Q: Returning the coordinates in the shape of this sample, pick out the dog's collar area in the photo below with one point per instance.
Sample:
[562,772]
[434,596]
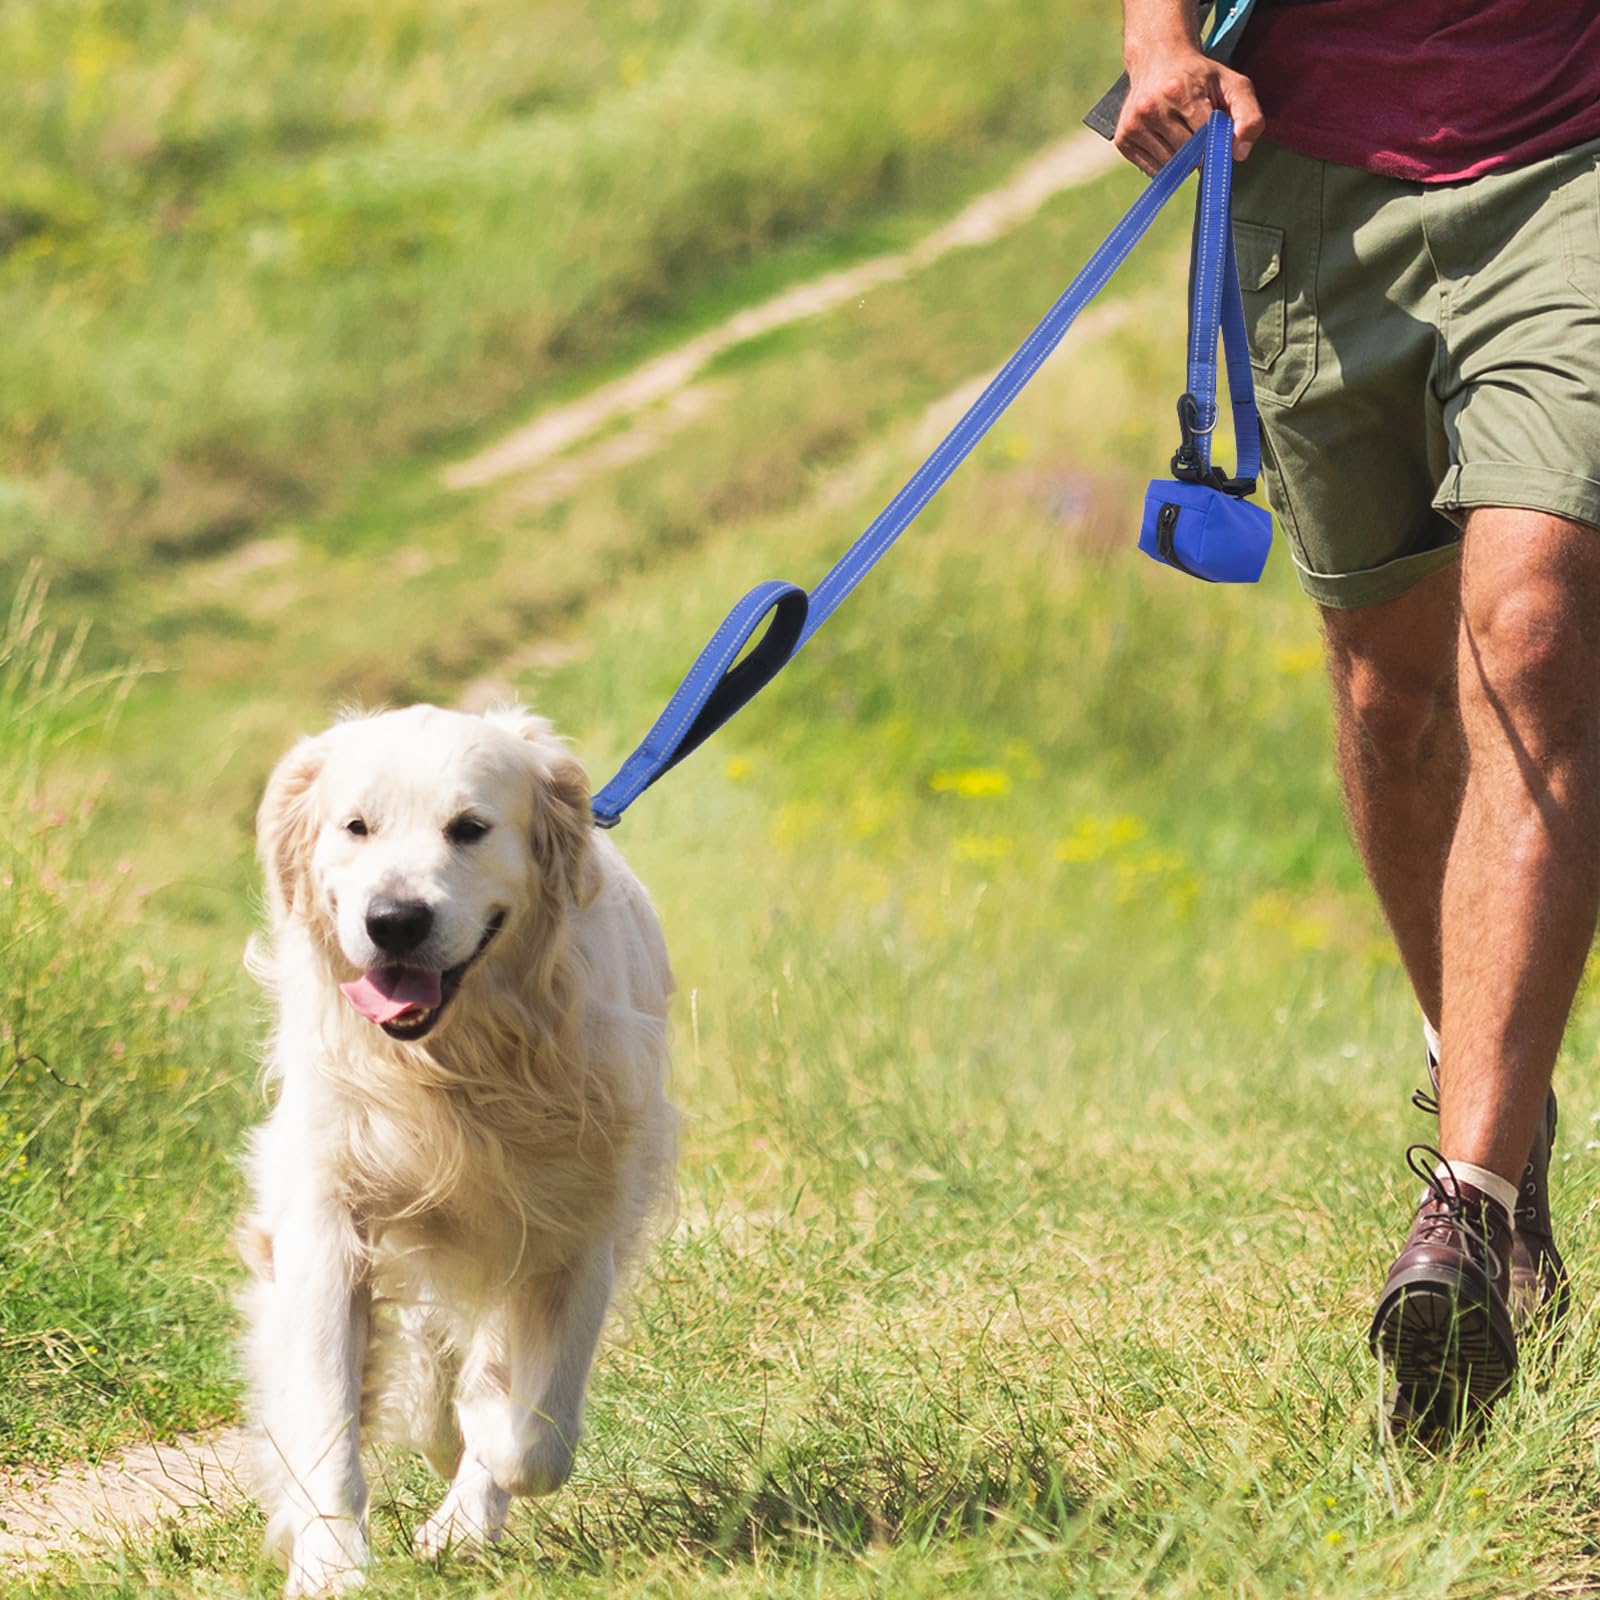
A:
[416,1025]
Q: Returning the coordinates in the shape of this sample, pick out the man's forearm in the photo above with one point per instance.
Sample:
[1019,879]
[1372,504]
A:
[1154,26]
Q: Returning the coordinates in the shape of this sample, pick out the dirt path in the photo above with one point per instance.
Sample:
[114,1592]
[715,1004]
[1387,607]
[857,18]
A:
[129,1494]
[1076,160]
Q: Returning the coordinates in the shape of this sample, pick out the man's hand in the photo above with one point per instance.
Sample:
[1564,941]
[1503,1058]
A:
[1172,90]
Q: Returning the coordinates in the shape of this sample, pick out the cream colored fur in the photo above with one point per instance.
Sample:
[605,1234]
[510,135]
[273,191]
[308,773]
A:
[437,1226]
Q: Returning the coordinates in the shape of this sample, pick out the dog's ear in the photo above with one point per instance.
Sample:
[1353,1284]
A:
[563,825]
[285,825]
[563,822]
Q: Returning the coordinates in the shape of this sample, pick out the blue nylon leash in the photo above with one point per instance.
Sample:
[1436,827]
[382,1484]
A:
[1218,302]
[720,682]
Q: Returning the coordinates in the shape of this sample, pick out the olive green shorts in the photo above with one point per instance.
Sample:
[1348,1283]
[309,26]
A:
[1419,350]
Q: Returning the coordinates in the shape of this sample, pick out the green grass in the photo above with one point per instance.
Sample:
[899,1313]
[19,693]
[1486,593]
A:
[1043,1072]
[245,251]
[119,1107]
[1042,1058]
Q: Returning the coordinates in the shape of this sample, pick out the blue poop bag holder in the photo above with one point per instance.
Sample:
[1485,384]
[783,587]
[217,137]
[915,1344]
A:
[1198,521]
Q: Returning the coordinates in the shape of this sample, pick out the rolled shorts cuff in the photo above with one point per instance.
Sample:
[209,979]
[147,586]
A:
[1349,591]
[1512,483]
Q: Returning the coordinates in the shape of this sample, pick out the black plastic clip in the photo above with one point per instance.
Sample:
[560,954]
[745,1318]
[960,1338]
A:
[1187,462]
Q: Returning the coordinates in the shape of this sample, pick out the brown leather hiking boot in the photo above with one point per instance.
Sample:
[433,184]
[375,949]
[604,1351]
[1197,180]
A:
[1539,1284]
[1443,1324]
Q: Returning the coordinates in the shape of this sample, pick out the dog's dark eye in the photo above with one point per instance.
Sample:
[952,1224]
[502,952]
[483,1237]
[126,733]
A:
[356,828]
[466,830]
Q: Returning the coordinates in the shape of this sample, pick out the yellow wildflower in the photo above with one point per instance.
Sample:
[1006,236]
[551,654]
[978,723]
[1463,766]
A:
[972,783]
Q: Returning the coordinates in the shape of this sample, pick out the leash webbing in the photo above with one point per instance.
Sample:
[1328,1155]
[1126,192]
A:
[720,682]
[1216,303]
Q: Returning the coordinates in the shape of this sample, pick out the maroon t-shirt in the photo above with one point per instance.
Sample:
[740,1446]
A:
[1430,90]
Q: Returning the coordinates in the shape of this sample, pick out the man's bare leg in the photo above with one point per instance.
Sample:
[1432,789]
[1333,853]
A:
[1506,789]
[1523,881]
[1402,758]
[1521,888]
[1469,722]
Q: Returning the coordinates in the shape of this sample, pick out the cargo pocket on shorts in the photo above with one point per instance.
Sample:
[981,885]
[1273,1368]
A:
[1282,327]
[1580,224]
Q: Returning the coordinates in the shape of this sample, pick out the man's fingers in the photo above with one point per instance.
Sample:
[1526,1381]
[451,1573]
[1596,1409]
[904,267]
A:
[1238,96]
[1157,129]
[1169,118]
[1131,147]
[1138,135]
[1171,98]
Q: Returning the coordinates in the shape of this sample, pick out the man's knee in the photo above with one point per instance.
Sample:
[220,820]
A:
[1393,669]
[1394,714]
[1530,633]
[1530,652]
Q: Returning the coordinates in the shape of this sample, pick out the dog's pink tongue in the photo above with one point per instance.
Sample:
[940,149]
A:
[381,994]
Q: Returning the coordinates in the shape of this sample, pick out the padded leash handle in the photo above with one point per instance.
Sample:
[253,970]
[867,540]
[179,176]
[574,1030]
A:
[718,684]
[725,678]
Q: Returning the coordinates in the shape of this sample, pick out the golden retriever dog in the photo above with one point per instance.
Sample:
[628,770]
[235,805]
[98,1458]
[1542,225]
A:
[470,1127]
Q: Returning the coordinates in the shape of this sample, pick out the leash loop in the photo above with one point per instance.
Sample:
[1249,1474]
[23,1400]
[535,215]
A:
[717,685]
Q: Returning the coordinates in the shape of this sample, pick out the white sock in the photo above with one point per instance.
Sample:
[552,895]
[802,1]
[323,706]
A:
[1431,1034]
[1491,1183]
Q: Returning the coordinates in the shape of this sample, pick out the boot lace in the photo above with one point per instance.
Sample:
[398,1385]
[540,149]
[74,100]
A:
[1424,1101]
[1427,1101]
[1449,1219]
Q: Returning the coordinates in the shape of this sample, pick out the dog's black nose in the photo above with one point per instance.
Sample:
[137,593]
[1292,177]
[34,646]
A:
[397,927]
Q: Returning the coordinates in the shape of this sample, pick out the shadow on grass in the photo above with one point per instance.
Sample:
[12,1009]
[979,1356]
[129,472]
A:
[809,1496]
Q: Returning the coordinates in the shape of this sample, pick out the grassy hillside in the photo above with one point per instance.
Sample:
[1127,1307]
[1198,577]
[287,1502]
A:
[245,250]
[1043,1075]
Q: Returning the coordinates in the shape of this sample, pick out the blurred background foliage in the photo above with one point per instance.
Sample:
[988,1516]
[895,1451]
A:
[246,249]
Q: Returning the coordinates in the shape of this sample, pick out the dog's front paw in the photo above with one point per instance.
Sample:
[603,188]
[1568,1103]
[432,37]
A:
[471,1515]
[328,1556]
